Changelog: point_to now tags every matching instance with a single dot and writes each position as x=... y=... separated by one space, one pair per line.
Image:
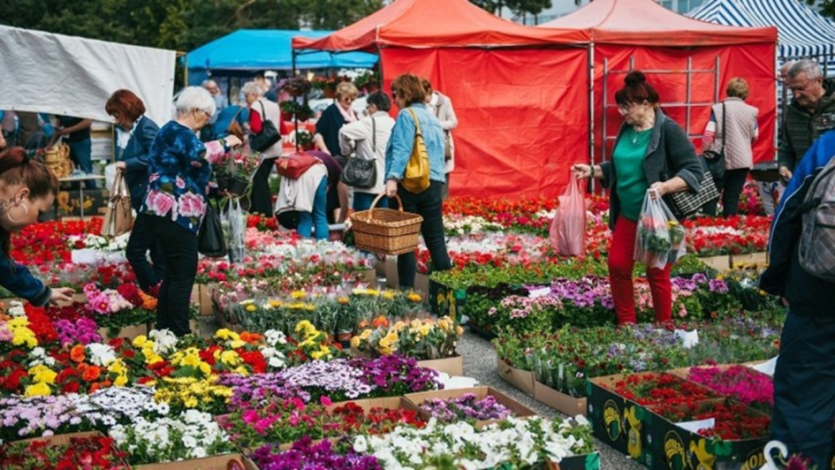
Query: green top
x=631 y=183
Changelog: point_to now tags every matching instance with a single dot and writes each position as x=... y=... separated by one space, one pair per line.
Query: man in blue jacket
x=804 y=379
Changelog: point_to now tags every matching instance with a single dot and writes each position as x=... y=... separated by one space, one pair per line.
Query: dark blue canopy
x=263 y=49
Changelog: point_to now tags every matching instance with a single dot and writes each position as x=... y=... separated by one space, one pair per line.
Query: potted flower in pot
x=304 y=139
x=223 y=171
x=297 y=86
x=243 y=167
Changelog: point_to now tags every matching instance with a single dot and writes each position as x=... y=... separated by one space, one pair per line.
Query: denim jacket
x=21 y=282
x=399 y=148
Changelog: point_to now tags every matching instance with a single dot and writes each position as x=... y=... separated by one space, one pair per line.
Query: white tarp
x=56 y=74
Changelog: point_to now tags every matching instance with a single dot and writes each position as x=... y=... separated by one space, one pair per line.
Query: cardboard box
x=60 y=439
x=759 y=258
x=220 y=462
x=617 y=422
x=720 y=263
x=566 y=404
x=521 y=379
x=453 y=366
x=129 y=332
x=388 y=403
x=201 y=295
x=517 y=409
x=391 y=272
x=673 y=447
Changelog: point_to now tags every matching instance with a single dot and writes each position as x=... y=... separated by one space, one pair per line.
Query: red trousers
x=621 y=264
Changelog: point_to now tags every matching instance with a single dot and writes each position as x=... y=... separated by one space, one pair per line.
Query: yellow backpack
x=416 y=177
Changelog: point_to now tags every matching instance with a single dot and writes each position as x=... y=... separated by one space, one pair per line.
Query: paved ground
x=480 y=363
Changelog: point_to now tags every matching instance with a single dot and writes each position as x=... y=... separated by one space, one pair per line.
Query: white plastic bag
x=660 y=237
x=237 y=230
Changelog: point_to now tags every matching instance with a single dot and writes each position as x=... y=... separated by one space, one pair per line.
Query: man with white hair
x=811 y=113
x=221 y=101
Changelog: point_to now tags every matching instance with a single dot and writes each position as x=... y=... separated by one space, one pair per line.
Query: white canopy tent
x=72 y=76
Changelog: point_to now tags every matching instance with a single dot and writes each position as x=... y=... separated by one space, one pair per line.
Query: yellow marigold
x=230 y=358
x=360 y=291
x=400 y=326
x=304 y=326
x=373 y=292
x=191 y=360
x=25 y=336
x=241 y=370
x=37 y=390
x=444 y=323
x=43 y=374
x=310 y=307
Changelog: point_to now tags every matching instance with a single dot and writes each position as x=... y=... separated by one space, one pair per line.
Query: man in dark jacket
x=804 y=379
x=811 y=113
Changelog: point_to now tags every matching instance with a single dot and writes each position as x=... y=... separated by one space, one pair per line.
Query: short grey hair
x=252 y=88
x=208 y=82
x=806 y=66
x=195 y=97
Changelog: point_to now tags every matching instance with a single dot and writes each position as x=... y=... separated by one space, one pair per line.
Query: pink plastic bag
x=568 y=230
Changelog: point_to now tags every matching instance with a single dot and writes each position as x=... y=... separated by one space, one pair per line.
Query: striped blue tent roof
x=802 y=31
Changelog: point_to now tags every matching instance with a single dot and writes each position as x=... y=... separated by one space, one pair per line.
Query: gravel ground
x=480 y=363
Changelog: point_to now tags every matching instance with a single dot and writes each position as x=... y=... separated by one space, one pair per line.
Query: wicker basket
x=386 y=231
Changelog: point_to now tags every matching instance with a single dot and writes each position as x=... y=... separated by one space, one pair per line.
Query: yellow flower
x=305 y=326
x=226 y=334
x=310 y=307
x=237 y=344
x=343 y=300
x=190 y=402
x=36 y=390
x=366 y=334
x=117 y=367
x=360 y=291
x=298 y=294
x=459 y=331
x=400 y=326
x=230 y=358
x=139 y=341
x=416 y=324
x=241 y=370
x=191 y=360
x=425 y=330
x=373 y=292
x=389 y=295
x=206 y=369
x=120 y=381
x=355 y=342
x=275 y=303
x=414 y=297
x=444 y=323
x=43 y=374
x=251 y=308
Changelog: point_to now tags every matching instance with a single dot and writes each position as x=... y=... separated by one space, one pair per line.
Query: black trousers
x=141 y=241
x=428 y=205
x=179 y=251
x=804 y=387
x=262 y=199
x=731 y=188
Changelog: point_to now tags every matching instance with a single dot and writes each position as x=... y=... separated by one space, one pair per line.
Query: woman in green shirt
x=651 y=152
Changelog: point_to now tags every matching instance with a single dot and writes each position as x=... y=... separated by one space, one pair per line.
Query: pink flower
x=192 y=205
x=154 y=177
x=325 y=401
x=180 y=183
x=161 y=203
x=250 y=416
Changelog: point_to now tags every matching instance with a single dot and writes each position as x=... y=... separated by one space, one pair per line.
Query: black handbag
x=268 y=136
x=716 y=161
x=210 y=239
x=685 y=204
x=361 y=173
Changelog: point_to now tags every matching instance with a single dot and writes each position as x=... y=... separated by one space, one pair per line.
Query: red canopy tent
x=519 y=93
x=642 y=35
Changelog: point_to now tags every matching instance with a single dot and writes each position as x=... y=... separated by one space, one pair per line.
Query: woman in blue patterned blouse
x=179 y=168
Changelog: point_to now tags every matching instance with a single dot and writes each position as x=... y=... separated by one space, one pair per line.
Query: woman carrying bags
x=651 y=152
x=410 y=96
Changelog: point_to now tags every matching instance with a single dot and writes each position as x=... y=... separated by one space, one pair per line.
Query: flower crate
x=571 y=406
x=517 y=409
x=614 y=419
x=452 y=366
x=759 y=259
x=581 y=462
x=218 y=462
x=672 y=446
x=201 y=295
x=392 y=278
x=521 y=379
x=60 y=440
x=446 y=301
x=129 y=332
x=720 y=263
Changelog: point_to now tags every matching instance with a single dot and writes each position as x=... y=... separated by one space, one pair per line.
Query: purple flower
x=467 y=406
x=84 y=331
x=306 y=456
x=718 y=285
x=700 y=278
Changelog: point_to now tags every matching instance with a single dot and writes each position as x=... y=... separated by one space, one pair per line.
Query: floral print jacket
x=179 y=168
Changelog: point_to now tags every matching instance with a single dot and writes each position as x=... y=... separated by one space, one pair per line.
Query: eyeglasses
x=625 y=109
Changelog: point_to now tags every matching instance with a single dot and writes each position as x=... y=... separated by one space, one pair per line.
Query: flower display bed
x=218 y=462
x=516 y=409
x=521 y=379
x=83 y=448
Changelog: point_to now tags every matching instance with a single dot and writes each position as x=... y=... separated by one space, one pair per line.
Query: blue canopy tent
x=250 y=50
x=802 y=32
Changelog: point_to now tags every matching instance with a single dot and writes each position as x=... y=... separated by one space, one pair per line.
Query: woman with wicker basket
x=410 y=97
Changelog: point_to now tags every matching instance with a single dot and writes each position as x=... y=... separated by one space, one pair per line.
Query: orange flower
x=94 y=388
x=77 y=353
x=362 y=325
x=148 y=302
x=92 y=373
x=380 y=322
x=251 y=338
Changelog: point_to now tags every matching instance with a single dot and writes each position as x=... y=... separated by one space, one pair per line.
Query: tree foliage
x=827 y=7
x=518 y=7
x=179 y=24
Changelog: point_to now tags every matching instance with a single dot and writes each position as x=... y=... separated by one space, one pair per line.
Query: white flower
x=101 y=354
x=198 y=452
x=16 y=309
x=190 y=442
x=165 y=342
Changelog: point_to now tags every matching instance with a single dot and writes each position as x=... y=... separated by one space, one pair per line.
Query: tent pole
x=591 y=110
x=603 y=141
x=295 y=114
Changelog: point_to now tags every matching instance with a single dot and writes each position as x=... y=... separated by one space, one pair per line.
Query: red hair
x=126 y=104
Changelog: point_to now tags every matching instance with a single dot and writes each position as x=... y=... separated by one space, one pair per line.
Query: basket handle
x=374 y=204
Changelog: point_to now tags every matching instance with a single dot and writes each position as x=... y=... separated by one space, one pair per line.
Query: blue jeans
x=318 y=218
x=82 y=154
x=362 y=201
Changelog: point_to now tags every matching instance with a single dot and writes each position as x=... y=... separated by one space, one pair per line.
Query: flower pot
x=223 y=182
x=286 y=116
x=238 y=186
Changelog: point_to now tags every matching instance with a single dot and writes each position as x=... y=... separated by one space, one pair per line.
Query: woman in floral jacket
x=179 y=168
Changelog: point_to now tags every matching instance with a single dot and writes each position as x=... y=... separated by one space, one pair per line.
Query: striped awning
x=802 y=31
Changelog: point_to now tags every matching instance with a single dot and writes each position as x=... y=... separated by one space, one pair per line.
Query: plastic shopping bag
x=660 y=237
x=235 y=225
x=568 y=230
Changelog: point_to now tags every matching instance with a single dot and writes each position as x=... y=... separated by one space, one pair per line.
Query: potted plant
x=304 y=139
x=368 y=81
x=288 y=108
x=297 y=86
x=223 y=172
x=244 y=166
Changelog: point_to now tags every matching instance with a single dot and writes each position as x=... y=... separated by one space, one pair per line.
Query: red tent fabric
x=646 y=23
x=661 y=40
x=519 y=93
x=437 y=23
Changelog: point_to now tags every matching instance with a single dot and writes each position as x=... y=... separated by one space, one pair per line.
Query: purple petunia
x=305 y=455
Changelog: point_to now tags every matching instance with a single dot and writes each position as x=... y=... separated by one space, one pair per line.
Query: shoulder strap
x=417 y=122
x=263 y=111
x=724 y=122
x=374 y=137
